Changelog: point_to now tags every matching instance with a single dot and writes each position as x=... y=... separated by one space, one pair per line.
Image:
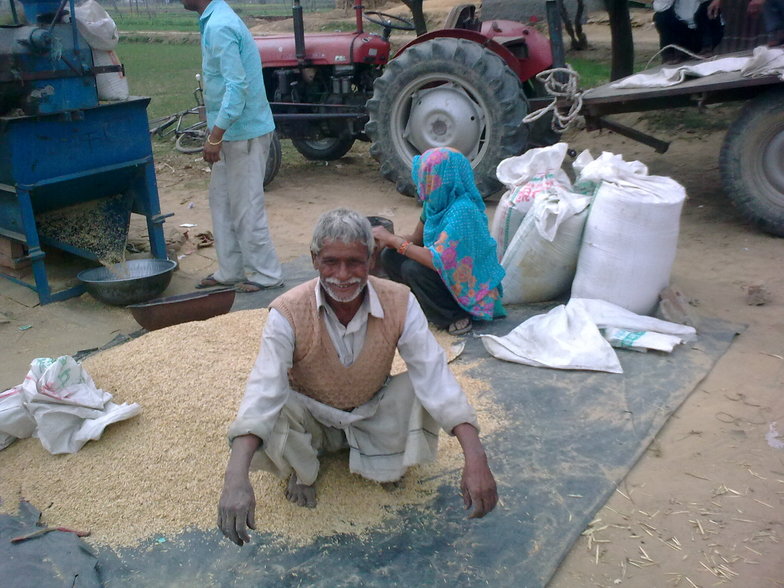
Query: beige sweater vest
x=317 y=371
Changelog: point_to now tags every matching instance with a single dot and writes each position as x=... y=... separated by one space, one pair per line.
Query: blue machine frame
x=52 y=161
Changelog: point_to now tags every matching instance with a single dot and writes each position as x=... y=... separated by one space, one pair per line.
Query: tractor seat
x=463 y=16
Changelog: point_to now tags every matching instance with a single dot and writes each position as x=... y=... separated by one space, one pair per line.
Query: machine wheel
x=328 y=149
x=752 y=161
x=447 y=92
x=191 y=140
x=273 y=159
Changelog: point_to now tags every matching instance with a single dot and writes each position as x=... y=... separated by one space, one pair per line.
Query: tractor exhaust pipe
x=358 y=15
x=299 y=33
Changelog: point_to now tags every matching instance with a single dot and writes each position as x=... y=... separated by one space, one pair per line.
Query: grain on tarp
x=162 y=471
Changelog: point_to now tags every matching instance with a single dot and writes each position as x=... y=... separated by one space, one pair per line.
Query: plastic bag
x=537 y=171
x=631 y=234
x=541 y=259
x=65 y=406
x=640 y=340
x=96 y=26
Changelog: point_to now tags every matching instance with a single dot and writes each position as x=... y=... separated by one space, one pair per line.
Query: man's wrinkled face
x=343 y=269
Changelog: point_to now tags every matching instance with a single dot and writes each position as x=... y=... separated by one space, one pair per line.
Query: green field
x=175 y=18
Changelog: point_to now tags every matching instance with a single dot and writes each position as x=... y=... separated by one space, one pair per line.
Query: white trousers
x=384 y=436
x=239 y=221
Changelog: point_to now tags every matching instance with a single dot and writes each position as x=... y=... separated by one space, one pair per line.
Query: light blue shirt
x=231 y=70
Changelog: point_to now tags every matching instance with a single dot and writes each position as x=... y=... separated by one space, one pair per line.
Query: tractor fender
x=539 y=55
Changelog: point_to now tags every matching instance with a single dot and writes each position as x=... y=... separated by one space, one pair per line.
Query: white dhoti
x=385 y=436
x=239 y=220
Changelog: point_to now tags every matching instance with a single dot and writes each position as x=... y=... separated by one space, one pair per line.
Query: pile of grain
x=162 y=471
x=99 y=226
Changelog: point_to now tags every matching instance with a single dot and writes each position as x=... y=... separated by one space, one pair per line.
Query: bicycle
x=189 y=127
x=190 y=135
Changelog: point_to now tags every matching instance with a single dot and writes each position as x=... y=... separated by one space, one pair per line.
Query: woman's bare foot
x=300 y=494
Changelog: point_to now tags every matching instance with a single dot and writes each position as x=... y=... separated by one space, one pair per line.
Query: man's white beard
x=327 y=282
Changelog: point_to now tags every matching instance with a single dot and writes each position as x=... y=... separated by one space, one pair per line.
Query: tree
x=415 y=6
x=622 y=40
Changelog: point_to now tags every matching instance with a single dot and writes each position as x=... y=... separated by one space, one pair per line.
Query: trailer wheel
x=327 y=149
x=273 y=159
x=752 y=162
x=446 y=92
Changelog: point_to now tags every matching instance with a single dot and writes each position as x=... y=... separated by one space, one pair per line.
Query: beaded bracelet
x=216 y=143
x=403 y=247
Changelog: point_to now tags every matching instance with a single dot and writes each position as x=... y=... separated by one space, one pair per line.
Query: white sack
x=672 y=76
x=67 y=408
x=564 y=338
x=96 y=26
x=765 y=61
x=569 y=336
x=541 y=259
x=111 y=85
x=537 y=171
x=631 y=235
x=15 y=421
x=606 y=314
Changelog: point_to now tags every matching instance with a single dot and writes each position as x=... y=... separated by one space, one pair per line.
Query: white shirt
x=268 y=385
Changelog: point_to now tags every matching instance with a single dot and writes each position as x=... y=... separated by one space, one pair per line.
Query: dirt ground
x=704 y=504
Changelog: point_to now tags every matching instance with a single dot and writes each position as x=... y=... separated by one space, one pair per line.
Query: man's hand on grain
x=479 y=489
x=237 y=510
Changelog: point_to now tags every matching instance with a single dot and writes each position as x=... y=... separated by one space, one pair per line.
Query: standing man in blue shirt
x=240 y=126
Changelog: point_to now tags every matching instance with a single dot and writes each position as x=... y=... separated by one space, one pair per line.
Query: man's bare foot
x=300 y=494
x=392 y=486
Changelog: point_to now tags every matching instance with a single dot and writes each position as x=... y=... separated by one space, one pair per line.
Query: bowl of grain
x=160 y=313
x=129 y=282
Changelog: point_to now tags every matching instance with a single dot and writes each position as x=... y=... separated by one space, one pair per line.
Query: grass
x=592 y=73
x=175 y=18
x=165 y=72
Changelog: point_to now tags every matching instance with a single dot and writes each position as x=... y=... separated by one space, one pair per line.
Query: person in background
x=450 y=261
x=240 y=126
x=773 y=12
x=695 y=25
x=321 y=383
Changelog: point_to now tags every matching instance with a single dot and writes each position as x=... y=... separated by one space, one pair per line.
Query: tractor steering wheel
x=387 y=23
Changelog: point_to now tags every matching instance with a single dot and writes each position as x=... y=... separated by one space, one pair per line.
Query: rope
x=677 y=48
x=562 y=92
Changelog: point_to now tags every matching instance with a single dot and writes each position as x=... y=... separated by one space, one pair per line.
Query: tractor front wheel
x=327 y=149
x=447 y=93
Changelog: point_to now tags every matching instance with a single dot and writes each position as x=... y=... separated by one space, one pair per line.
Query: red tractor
x=466 y=86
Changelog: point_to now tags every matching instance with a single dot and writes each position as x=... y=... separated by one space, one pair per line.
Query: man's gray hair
x=344 y=225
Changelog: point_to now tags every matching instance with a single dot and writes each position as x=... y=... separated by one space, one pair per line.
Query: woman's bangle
x=403 y=247
x=209 y=141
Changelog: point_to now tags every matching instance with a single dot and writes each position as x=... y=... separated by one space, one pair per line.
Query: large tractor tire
x=446 y=92
x=752 y=161
x=327 y=149
x=274 y=159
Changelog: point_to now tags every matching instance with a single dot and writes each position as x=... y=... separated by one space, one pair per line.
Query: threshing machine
x=72 y=168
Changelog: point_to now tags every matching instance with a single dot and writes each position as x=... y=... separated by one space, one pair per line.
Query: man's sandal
x=248 y=287
x=210 y=282
x=460 y=327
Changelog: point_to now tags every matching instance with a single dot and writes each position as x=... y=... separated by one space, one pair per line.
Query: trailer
x=751 y=161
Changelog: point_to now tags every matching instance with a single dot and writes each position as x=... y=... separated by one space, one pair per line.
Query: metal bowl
x=130 y=282
x=183 y=308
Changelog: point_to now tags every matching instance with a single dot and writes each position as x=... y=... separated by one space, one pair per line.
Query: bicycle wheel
x=191 y=140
